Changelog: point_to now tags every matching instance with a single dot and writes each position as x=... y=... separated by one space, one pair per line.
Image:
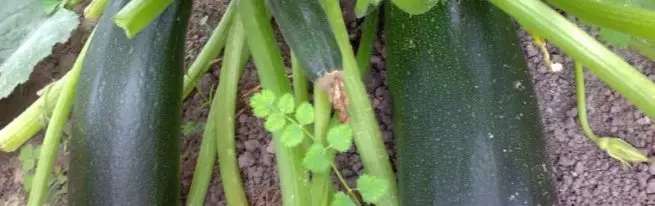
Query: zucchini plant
x=464 y=113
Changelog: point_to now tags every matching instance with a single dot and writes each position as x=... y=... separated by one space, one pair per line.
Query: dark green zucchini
x=127 y=113
x=306 y=30
x=465 y=116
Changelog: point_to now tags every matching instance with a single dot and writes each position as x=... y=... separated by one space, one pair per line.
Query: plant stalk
x=210 y=51
x=644 y=47
x=53 y=134
x=137 y=14
x=268 y=59
x=618 y=74
x=95 y=9
x=367 y=136
x=236 y=57
x=321 y=185
x=582 y=105
x=611 y=14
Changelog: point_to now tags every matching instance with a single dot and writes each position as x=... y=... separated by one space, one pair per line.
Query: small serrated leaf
x=263 y=98
x=340 y=137
x=27 y=152
x=372 y=188
x=275 y=122
x=292 y=135
x=341 y=199
x=29 y=164
x=305 y=114
x=37 y=152
x=286 y=103
x=27 y=182
x=316 y=159
x=616 y=38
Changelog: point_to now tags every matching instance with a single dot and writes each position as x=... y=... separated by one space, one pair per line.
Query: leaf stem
x=582 y=107
x=367 y=136
x=321 y=184
x=210 y=51
x=612 y=69
x=644 y=47
x=236 y=56
x=52 y=137
x=345 y=185
x=610 y=14
x=367 y=42
x=268 y=59
x=137 y=14
x=95 y=9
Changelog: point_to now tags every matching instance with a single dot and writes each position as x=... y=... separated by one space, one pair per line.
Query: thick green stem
x=136 y=15
x=618 y=74
x=268 y=59
x=644 y=47
x=612 y=14
x=300 y=82
x=206 y=159
x=95 y=8
x=236 y=57
x=582 y=106
x=367 y=132
x=210 y=51
x=321 y=185
x=52 y=137
x=367 y=42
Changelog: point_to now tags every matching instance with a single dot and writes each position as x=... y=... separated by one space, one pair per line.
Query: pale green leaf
x=27 y=152
x=262 y=103
x=292 y=135
x=372 y=188
x=305 y=114
x=29 y=164
x=275 y=122
x=340 y=137
x=316 y=159
x=27 y=181
x=27 y=35
x=286 y=103
x=341 y=199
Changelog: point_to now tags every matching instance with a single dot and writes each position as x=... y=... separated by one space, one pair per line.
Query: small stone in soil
x=251 y=145
x=246 y=160
x=650 y=188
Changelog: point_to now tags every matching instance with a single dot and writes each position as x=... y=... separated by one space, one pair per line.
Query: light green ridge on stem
x=367 y=132
x=367 y=42
x=321 y=185
x=582 y=106
x=300 y=90
x=236 y=57
x=210 y=51
x=268 y=59
x=53 y=134
x=137 y=14
x=618 y=74
x=611 y=14
x=644 y=47
x=95 y=9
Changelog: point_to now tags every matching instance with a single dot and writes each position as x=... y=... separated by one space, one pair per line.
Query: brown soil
x=583 y=174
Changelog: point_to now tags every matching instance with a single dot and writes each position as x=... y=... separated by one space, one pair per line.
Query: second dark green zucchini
x=465 y=116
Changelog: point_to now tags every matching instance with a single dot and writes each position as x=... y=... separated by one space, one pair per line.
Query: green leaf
x=292 y=135
x=27 y=152
x=340 y=137
x=415 y=7
x=305 y=114
x=262 y=103
x=621 y=150
x=191 y=127
x=275 y=122
x=286 y=103
x=372 y=188
x=341 y=199
x=29 y=164
x=37 y=152
x=316 y=159
x=615 y=37
x=28 y=35
x=50 y=6
x=27 y=182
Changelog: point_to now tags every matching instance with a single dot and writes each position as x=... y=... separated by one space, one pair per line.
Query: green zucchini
x=465 y=116
x=306 y=31
x=127 y=113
